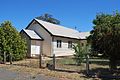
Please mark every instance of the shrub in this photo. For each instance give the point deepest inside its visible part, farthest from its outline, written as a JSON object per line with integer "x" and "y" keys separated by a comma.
{"x": 80, "y": 52}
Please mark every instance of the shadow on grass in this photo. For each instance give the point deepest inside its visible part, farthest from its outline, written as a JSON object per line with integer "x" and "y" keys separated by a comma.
{"x": 69, "y": 71}
{"x": 100, "y": 73}
{"x": 103, "y": 74}
{"x": 71, "y": 64}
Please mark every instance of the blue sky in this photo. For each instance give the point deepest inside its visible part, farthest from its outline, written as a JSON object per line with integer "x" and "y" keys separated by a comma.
{"x": 71, "y": 13}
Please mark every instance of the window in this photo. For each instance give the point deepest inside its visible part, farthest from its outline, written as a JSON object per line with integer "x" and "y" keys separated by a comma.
{"x": 69, "y": 44}
{"x": 59, "y": 43}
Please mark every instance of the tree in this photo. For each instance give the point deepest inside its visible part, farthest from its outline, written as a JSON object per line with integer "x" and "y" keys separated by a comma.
{"x": 11, "y": 43}
{"x": 80, "y": 52}
{"x": 105, "y": 37}
{"x": 48, "y": 18}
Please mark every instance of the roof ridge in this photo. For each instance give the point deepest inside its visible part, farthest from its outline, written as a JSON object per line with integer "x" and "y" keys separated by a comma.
{"x": 57, "y": 25}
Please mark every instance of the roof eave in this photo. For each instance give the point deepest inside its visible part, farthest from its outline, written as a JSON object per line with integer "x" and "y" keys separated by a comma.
{"x": 65, "y": 37}
{"x": 30, "y": 37}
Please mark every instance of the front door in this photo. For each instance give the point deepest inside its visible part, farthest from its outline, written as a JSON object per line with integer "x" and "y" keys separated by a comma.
{"x": 35, "y": 48}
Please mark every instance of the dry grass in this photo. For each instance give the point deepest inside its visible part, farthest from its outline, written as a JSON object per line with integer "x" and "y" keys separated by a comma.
{"x": 36, "y": 71}
{"x": 24, "y": 66}
{"x": 65, "y": 68}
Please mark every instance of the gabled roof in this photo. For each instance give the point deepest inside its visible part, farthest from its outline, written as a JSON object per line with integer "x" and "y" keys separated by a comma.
{"x": 84, "y": 35}
{"x": 32, "y": 34}
{"x": 58, "y": 30}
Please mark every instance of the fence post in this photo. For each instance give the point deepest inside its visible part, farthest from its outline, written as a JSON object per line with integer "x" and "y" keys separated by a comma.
{"x": 53, "y": 61}
{"x": 4, "y": 58}
{"x": 40, "y": 61}
{"x": 87, "y": 64}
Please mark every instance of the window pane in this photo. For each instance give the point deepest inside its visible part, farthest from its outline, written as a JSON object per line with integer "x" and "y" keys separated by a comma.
{"x": 69, "y": 44}
{"x": 59, "y": 45}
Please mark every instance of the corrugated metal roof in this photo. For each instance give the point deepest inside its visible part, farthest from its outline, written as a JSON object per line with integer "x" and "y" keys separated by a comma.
{"x": 58, "y": 30}
{"x": 32, "y": 34}
{"x": 84, "y": 35}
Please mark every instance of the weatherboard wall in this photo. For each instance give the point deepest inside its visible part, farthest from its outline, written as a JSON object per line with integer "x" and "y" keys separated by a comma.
{"x": 64, "y": 50}
{"x": 46, "y": 45}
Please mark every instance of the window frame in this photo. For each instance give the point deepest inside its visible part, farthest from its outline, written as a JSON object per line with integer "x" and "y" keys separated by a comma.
{"x": 59, "y": 43}
{"x": 70, "y": 44}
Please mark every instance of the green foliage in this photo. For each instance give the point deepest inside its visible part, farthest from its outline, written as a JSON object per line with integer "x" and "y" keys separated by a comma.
{"x": 105, "y": 36}
{"x": 11, "y": 42}
{"x": 47, "y": 17}
{"x": 80, "y": 52}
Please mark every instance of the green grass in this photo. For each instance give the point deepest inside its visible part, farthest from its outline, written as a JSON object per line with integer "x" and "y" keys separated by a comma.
{"x": 66, "y": 61}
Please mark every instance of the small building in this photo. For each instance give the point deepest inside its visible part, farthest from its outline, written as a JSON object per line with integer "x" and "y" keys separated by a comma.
{"x": 48, "y": 39}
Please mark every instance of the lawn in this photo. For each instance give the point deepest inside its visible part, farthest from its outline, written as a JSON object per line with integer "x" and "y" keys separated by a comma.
{"x": 65, "y": 68}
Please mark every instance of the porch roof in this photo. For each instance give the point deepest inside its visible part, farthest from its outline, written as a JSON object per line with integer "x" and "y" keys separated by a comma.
{"x": 32, "y": 34}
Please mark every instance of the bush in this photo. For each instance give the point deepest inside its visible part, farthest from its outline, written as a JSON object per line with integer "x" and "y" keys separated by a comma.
{"x": 80, "y": 52}
{"x": 11, "y": 42}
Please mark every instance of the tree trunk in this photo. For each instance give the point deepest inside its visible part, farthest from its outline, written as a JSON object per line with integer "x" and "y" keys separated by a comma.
{"x": 10, "y": 58}
{"x": 4, "y": 58}
{"x": 113, "y": 64}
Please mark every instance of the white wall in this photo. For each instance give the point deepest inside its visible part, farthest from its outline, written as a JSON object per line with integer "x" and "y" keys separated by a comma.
{"x": 35, "y": 47}
{"x": 64, "y": 50}
{"x": 46, "y": 45}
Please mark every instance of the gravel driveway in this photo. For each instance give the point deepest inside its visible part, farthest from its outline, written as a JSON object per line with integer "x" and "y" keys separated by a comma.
{"x": 10, "y": 75}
